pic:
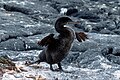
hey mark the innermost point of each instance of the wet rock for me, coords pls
(20, 55)
(82, 25)
(94, 0)
(106, 40)
(112, 54)
(94, 31)
(31, 44)
(3, 37)
(116, 51)
(17, 9)
(60, 5)
(117, 31)
(45, 7)
(83, 46)
(71, 12)
(110, 50)
(71, 58)
(12, 44)
(88, 15)
(113, 58)
(88, 28)
(23, 23)
(98, 27)
(110, 25)
(88, 57)
(105, 31)
(107, 50)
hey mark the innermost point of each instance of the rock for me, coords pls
(82, 25)
(106, 40)
(3, 37)
(105, 31)
(31, 44)
(94, 31)
(113, 58)
(110, 25)
(117, 31)
(107, 50)
(98, 27)
(112, 54)
(88, 15)
(94, 0)
(116, 51)
(15, 8)
(71, 11)
(83, 46)
(23, 23)
(88, 28)
(88, 57)
(111, 51)
(12, 44)
(71, 58)
(45, 7)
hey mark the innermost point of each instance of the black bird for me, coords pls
(57, 48)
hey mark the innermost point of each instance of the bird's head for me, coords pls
(63, 21)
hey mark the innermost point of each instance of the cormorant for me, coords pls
(56, 49)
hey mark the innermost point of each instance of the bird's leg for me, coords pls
(51, 68)
(60, 67)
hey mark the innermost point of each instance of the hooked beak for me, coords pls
(73, 22)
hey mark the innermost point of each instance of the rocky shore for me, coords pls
(24, 22)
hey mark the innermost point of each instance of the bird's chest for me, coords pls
(59, 51)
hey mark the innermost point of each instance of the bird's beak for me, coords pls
(73, 22)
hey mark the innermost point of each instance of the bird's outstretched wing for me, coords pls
(81, 36)
(47, 40)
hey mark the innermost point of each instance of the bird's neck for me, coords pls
(65, 32)
(59, 28)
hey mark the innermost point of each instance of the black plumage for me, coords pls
(57, 48)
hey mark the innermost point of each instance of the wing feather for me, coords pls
(47, 40)
(81, 36)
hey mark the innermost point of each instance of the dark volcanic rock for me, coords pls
(71, 58)
(105, 31)
(17, 9)
(117, 31)
(112, 54)
(87, 58)
(116, 51)
(82, 47)
(71, 12)
(88, 15)
(12, 44)
(24, 22)
(3, 37)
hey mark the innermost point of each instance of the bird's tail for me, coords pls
(81, 36)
